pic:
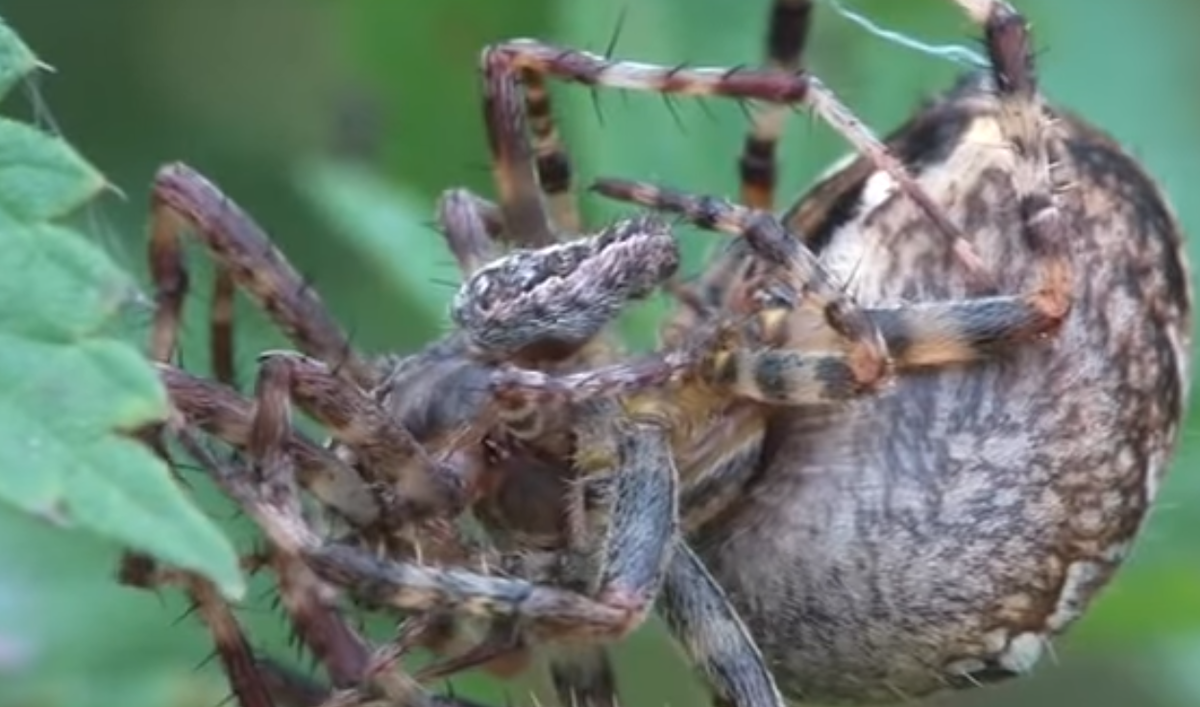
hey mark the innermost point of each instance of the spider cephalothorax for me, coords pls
(894, 440)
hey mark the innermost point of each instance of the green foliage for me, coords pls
(392, 234)
(58, 295)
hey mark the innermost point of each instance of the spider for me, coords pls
(895, 438)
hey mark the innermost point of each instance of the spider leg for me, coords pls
(224, 414)
(551, 160)
(921, 335)
(182, 200)
(527, 220)
(469, 224)
(584, 675)
(787, 35)
(913, 335)
(231, 645)
(387, 455)
(505, 116)
(926, 334)
(268, 495)
(635, 548)
(708, 628)
(530, 164)
(1006, 36)
(1032, 134)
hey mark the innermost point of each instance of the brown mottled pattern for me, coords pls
(934, 523)
(567, 292)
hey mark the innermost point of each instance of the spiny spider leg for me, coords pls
(700, 616)
(1006, 34)
(787, 35)
(1006, 39)
(182, 199)
(507, 122)
(716, 289)
(268, 496)
(231, 645)
(387, 455)
(224, 414)
(774, 376)
(916, 334)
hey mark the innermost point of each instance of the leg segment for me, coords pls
(915, 335)
(583, 676)
(701, 619)
(927, 334)
(387, 454)
(782, 252)
(1006, 36)
(526, 219)
(506, 121)
(268, 496)
(224, 414)
(1031, 133)
(553, 164)
(469, 225)
(291, 689)
(231, 645)
(183, 199)
(787, 34)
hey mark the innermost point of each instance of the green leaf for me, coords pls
(42, 177)
(72, 392)
(16, 59)
(388, 227)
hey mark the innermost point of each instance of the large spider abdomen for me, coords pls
(940, 533)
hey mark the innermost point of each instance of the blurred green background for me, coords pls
(337, 123)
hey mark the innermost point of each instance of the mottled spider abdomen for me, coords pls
(939, 534)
